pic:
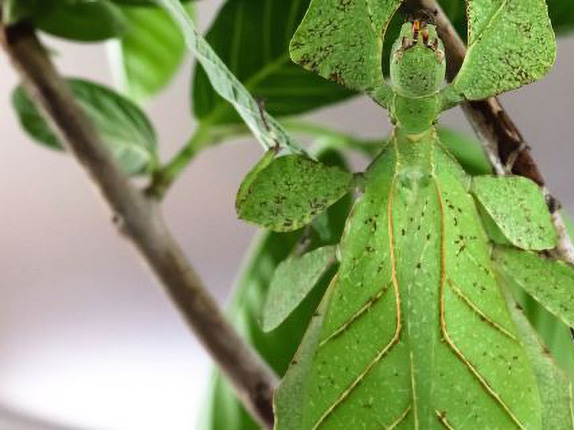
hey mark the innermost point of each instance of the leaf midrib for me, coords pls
(221, 107)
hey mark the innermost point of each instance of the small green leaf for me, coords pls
(554, 385)
(149, 53)
(121, 124)
(82, 21)
(518, 208)
(549, 281)
(265, 128)
(290, 191)
(293, 280)
(510, 44)
(259, 57)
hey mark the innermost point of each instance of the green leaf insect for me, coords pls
(292, 282)
(414, 331)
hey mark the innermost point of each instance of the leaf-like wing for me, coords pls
(265, 128)
(414, 332)
(121, 124)
(343, 41)
(549, 281)
(518, 209)
(288, 192)
(554, 386)
(510, 44)
(292, 282)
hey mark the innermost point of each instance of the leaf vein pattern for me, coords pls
(488, 24)
(479, 312)
(442, 419)
(399, 420)
(355, 317)
(396, 336)
(444, 330)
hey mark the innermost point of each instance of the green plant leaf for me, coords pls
(547, 280)
(278, 347)
(258, 55)
(290, 191)
(343, 41)
(510, 44)
(121, 124)
(149, 52)
(293, 280)
(467, 150)
(266, 129)
(82, 21)
(518, 208)
(152, 3)
(554, 386)
(561, 15)
(16, 10)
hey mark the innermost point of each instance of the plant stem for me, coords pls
(140, 220)
(502, 141)
(164, 177)
(206, 136)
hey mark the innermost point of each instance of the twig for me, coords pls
(503, 142)
(140, 220)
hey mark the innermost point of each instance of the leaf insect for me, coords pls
(414, 331)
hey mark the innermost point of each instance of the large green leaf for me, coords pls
(561, 15)
(252, 38)
(83, 21)
(266, 129)
(278, 347)
(121, 124)
(141, 2)
(16, 10)
(149, 53)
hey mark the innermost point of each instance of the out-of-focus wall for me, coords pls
(87, 339)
